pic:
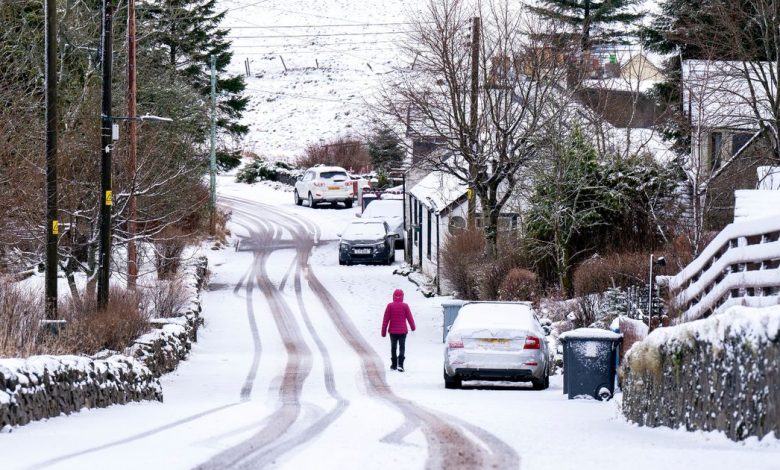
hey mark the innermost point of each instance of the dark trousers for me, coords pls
(395, 341)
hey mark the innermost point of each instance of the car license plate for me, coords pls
(362, 251)
(334, 188)
(495, 340)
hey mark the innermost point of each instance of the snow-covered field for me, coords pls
(336, 53)
(208, 409)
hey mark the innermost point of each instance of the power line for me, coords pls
(303, 51)
(352, 25)
(319, 44)
(316, 35)
(245, 6)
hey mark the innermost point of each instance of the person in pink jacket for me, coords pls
(397, 314)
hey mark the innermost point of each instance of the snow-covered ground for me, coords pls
(212, 403)
(315, 67)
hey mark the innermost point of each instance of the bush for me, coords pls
(166, 298)
(346, 152)
(90, 330)
(519, 284)
(20, 317)
(262, 170)
(462, 255)
(169, 246)
(494, 272)
(598, 274)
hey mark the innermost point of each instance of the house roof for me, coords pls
(440, 191)
(716, 94)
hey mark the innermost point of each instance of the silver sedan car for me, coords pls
(499, 341)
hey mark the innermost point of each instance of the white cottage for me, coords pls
(435, 207)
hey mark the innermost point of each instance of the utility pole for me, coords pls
(473, 119)
(106, 195)
(213, 153)
(52, 224)
(132, 144)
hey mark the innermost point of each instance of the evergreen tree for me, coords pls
(595, 21)
(189, 32)
(385, 149)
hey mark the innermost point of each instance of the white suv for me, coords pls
(324, 184)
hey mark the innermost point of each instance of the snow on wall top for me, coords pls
(756, 325)
(755, 203)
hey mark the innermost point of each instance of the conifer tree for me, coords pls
(595, 21)
(189, 32)
(385, 149)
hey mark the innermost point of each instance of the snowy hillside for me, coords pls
(336, 53)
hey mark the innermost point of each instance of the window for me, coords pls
(738, 141)
(428, 248)
(716, 148)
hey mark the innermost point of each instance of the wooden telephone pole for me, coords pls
(52, 224)
(106, 195)
(132, 145)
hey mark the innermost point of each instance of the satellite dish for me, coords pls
(456, 224)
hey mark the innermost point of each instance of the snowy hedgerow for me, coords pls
(262, 170)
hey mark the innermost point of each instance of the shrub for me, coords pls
(166, 298)
(261, 170)
(494, 272)
(462, 255)
(598, 274)
(169, 246)
(346, 152)
(90, 330)
(20, 317)
(519, 284)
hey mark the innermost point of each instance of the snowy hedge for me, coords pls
(46, 386)
(721, 373)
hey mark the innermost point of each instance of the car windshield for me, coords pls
(384, 208)
(362, 231)
(331, 175)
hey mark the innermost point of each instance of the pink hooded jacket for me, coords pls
(397, 313)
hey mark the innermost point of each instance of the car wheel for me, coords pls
(452, 382)
(543, 384)
(298, 200)
(392, 257)
(342, 262)
(311, 201)
(348, 203)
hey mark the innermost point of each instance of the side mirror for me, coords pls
(338, 235)
(547, 330)
(397, 236)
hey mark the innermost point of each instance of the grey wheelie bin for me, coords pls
(450, 310)
(589, 362)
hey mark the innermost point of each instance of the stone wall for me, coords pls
(46, 386)
(717, 374)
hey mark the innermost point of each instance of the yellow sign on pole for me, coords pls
(470, 194)
(55, 227)
(108, 198)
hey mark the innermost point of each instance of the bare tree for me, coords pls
(520, 90)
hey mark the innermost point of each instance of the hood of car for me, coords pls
(361, 241)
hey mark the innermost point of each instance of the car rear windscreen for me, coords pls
(329, 175)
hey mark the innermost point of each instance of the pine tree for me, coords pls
(595, 21)
(189, 32)
(385, 149)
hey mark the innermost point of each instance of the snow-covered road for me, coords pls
(290, 371)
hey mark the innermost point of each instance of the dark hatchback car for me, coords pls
(367, 241)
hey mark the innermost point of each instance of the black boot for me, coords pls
(393, 363)
(401, 364)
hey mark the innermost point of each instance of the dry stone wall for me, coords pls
(46, 386)
(718, 374)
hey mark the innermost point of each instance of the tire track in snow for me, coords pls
(299, 362)
(448, 445)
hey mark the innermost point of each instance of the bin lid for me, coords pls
(591, 333)
(454, 303)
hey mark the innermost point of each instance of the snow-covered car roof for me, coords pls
(496, 315)
(320, 169)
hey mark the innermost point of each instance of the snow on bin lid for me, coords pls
(591, 333)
